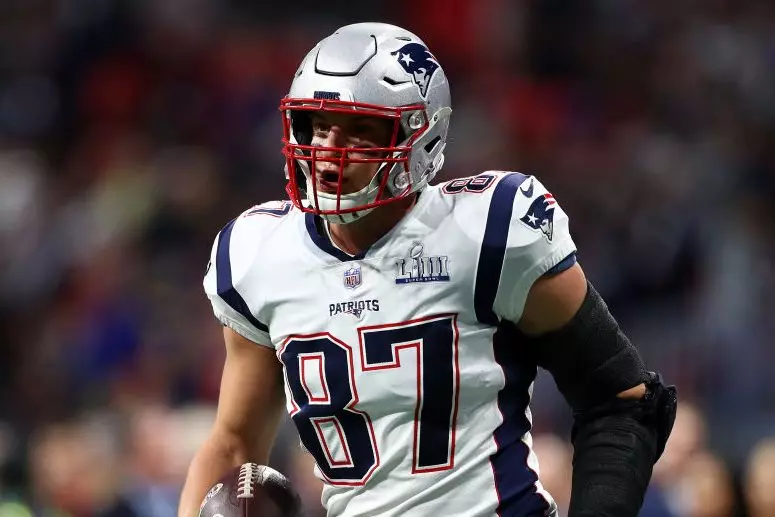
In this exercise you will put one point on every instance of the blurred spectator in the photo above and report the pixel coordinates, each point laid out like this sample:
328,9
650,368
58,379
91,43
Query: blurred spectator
666,495
760,480
161,444
707,488
75,470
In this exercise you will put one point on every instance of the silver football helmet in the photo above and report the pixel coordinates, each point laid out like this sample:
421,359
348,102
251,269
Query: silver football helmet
372,69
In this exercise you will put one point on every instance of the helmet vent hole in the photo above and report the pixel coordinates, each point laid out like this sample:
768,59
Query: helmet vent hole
393,82
430,146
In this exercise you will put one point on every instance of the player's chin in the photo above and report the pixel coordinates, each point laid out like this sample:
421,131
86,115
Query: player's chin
326,188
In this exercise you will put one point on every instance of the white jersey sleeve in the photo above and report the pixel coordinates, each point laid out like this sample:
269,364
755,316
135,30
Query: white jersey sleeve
227,280
538,239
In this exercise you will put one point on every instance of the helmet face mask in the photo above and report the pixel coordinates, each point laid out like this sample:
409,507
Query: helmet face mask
334,78
391,179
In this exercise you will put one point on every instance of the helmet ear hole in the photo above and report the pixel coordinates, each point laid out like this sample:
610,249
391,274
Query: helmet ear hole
430,146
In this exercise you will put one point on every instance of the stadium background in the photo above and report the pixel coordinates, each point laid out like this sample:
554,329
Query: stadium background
131,131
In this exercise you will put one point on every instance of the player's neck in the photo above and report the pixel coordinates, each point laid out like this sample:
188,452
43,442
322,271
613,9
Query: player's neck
358,236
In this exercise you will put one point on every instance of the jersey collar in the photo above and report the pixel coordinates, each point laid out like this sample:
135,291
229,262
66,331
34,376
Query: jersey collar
323,241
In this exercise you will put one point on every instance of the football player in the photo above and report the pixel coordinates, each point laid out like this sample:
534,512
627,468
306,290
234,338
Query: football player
401,324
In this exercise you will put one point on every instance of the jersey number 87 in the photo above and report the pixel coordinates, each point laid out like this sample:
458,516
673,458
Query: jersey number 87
433,339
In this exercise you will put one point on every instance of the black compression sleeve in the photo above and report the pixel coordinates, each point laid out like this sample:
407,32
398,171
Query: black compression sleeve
612,464
590,358
615,448
616,442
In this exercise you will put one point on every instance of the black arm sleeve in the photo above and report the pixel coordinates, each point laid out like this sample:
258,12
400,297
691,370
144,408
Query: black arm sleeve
616,442
615,448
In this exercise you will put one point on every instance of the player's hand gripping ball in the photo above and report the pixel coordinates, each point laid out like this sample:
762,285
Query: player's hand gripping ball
251,490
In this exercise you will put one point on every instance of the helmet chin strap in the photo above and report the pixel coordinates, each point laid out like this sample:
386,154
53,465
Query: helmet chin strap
346,218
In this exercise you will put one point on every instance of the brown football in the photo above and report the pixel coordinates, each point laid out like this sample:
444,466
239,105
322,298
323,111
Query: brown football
251,490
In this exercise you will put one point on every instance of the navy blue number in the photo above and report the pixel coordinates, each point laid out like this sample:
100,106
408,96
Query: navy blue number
474,184
334,408
434,341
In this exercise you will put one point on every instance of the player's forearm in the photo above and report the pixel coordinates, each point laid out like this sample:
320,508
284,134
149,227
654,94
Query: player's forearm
612,465
615,448
216,456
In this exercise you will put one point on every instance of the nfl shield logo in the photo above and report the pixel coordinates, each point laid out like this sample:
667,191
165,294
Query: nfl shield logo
352,277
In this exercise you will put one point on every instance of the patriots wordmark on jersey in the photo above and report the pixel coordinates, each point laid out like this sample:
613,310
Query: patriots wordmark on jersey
400,372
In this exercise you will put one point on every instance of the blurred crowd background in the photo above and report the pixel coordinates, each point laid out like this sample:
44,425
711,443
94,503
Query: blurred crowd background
131,131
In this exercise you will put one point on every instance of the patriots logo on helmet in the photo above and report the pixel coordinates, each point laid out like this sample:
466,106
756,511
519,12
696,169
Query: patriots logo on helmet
418,62
540,215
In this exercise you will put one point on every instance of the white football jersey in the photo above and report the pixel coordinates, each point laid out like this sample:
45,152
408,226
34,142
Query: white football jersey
401,372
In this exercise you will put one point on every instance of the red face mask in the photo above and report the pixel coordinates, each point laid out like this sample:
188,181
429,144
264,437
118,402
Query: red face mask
302,158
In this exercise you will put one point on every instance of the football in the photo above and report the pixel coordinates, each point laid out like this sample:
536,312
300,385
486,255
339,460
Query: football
251,490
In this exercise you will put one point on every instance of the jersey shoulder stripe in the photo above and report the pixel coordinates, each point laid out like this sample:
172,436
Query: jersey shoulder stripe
496,233
238,252
523,234
225,287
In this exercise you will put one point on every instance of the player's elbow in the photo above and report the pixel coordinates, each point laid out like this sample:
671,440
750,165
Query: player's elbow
590,358
634,393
